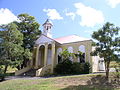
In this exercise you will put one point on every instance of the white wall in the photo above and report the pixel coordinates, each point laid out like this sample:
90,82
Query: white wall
98,64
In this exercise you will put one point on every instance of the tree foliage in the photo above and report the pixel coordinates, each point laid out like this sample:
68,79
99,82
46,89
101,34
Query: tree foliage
16,42
65,54
30,30
10,46
107,43
28,26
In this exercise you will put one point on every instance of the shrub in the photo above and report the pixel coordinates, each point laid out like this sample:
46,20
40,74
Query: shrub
66,67
77,68
86,68
2,76
63,68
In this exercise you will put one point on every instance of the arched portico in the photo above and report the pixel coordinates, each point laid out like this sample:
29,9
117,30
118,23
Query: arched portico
45,55
41,56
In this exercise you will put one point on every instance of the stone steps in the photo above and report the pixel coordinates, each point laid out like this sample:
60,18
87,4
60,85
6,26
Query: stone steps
31,72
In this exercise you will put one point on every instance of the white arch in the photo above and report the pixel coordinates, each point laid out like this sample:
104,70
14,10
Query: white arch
59,50
70,49
41,54
82,48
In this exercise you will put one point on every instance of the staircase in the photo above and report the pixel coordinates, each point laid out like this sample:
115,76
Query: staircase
31,72
28,71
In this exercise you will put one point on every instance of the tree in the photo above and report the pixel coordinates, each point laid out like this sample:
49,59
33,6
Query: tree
106,44
30,30
65,54
11,50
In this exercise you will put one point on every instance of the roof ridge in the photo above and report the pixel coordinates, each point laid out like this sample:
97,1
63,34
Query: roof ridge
67,36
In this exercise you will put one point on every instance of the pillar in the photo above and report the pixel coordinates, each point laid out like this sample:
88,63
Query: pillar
53,56
87,52
45,54
37,54
33,57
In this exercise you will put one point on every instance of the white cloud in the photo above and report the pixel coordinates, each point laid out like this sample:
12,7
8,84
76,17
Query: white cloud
53,14
89,16
113,3
6,16
88,31
71,14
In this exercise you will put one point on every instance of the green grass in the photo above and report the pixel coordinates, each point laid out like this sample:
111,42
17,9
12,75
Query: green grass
76,82
112,64
27,85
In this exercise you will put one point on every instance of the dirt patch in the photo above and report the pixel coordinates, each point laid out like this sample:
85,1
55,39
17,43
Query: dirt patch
63,82
92,81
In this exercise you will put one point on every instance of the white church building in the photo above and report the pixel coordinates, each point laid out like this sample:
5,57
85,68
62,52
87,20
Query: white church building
47,49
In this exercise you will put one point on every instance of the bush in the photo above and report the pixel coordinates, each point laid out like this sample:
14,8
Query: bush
63,68
66,67
86,68
2,76
77,68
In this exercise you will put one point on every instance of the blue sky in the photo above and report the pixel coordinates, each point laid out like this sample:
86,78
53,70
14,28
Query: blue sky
80,17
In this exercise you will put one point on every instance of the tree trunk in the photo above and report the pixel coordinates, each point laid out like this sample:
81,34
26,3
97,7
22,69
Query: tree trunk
107,70
6,66
18,67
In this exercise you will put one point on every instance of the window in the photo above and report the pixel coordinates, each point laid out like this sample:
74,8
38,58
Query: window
70,50
81,57
58,54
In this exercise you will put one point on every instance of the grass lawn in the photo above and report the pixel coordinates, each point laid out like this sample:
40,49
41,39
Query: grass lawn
78,82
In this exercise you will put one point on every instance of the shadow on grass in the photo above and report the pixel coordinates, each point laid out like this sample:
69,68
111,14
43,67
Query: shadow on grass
2,76
86,87
95,83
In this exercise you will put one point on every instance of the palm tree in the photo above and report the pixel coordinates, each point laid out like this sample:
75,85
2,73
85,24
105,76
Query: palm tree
65,54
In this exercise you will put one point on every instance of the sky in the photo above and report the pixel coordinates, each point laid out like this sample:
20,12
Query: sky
79,17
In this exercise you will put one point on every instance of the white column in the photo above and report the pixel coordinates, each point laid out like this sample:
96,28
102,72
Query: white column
34,56
45,54
53,56
37,54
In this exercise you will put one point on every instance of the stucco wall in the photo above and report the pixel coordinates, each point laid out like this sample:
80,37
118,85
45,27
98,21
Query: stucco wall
84,46
76,45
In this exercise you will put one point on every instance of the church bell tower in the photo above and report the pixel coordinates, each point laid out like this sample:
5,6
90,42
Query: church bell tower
47,28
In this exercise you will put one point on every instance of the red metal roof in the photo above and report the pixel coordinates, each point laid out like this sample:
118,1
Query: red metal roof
69,39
